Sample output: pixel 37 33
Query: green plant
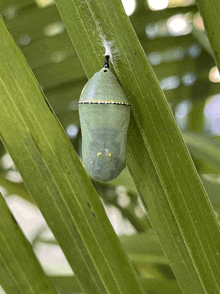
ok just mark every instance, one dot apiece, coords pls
pixel 164 175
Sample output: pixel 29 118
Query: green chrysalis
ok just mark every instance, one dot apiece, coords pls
pixel 104 113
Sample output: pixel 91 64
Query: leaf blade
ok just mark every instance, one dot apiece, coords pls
pixel 55 177
pixel 20 271
pixel 174 174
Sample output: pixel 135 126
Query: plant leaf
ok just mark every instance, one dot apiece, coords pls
pixel 20 271
pixel 65 284
pixel 160 164
pixel 57 181
pixel 204 149
pixel 210 10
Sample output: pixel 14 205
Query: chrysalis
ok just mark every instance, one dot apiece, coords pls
pixel 104 113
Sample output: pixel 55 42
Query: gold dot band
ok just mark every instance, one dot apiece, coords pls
pixel 103 102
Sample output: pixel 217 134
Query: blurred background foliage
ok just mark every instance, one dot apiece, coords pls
pixel 173 37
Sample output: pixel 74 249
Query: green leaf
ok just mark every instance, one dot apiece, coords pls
pixel 68 284
pixel 161 215
pixel 160 164
pixel 146 253
pixel 205 149
pixel 160 286
pixel 15 188
pixel 144 245
pixel 212 185
pixel 20 271
pixel 57 181
pixel 210 10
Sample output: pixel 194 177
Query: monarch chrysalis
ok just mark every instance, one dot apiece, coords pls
pixel 104 113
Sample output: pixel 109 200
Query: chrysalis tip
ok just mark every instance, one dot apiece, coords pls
pixel 106 62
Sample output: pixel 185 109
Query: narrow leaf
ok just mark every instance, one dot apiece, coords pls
pixel 68 284
pixel 57 181
pixel 159 161
pixel 210 10
pixel 20 271
pixel 204 149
